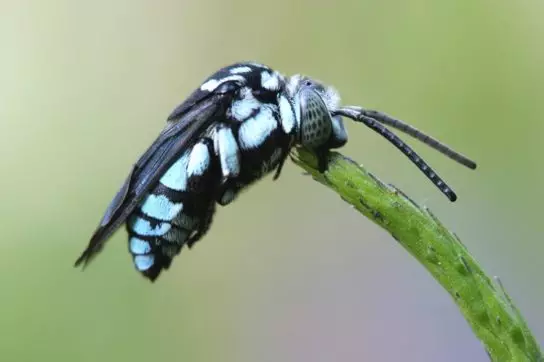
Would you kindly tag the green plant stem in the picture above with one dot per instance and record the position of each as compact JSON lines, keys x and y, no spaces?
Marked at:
{"x":483,"y":301}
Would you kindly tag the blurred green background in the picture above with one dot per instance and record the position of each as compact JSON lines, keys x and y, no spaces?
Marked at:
{"x":289,"y":272}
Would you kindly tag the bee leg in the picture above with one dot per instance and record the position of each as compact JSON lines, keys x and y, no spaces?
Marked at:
{"x":284,"y":155}
{"x":227,"y":191}
{"x":279,"y":168}
{"x":204,"y":226}
{"x":322,"y":159}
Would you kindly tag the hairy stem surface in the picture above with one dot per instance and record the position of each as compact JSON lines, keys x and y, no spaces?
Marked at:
{"x":483,"y":301}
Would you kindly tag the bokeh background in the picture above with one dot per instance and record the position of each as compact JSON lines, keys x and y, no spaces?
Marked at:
{"x":289,"y":272}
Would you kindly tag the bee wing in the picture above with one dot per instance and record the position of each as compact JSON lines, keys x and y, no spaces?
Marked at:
{"x":184,"y":126}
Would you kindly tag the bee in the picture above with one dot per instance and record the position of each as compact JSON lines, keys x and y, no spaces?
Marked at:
{"x":234,"y":129}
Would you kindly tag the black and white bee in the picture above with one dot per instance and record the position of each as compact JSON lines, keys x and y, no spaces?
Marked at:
{"x":237,"y":127}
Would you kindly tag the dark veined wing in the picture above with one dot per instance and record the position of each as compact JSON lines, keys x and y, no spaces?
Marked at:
{"x":185,"y":123}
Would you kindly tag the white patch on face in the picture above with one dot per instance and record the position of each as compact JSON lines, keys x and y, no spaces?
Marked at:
{"x":199,"y":160}
{"x":245,"y":106}
{"x":331,"y":98}
{"x":270,"y":80}
{"x":139,"y":246}
{"x":144,"y":228}
{"x":296,"y":106}
{"x":212,"y":84}
{"x":227,"y":149}
{"x":238,"y":70}
{"x":176,"y":176}
{"x":287,"y":114}
{"x":254,"y":131}
{"x":144,"y":262}
{"x":228,"y":197}
{"x":160,"y":208}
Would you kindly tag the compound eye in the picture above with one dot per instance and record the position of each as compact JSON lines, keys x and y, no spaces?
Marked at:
{"x":315,"y":119}
{"x":311,"y":84}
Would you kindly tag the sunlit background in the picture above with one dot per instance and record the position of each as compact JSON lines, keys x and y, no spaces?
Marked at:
{"x":289,"y":272}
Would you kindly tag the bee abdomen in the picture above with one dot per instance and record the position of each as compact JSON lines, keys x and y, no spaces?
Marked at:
{"x":153,"y":243}
{"x":175,"y":212}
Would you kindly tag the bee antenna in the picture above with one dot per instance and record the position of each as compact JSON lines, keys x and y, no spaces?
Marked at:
{"x":356,"y":115}
{"x":417,"y":134}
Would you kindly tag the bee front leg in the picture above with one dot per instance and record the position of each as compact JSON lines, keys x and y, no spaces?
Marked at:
{"x":322,"y":159}
{"x":204,"y":225}
{"x":284,"y":154}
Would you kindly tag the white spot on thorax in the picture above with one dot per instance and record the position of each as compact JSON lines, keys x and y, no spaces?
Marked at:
{"x":176,"y":176}
{"x":144,"y":262}
{"x":199,"y":160}
{"x":160,"y":208}
{"x":254,"y":131}
{"x":287,"y":114}
{"x":270,"y":80}
{"x":241,"y":69}
{"x":241,"y":109}
{"x":227,"y":149}
{"x":211,"y":84}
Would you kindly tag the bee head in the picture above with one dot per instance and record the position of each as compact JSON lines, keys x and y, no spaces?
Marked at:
{"x":313,"y":102}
